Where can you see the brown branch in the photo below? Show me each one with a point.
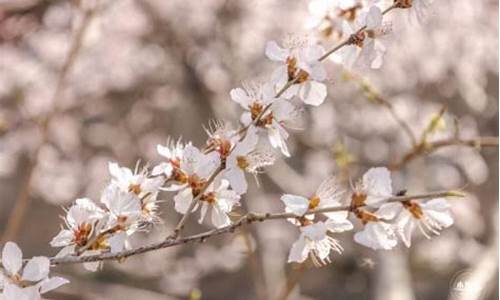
(22, 202)
(426, 148)
(249, 218)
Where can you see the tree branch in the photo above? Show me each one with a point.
(249, 218)
(426, 148)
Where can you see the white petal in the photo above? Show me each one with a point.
(164, 151)
(312, 93)
(443, 218)
(316, 231)
(313, 53)
(62, 239)
(219, 218)
(207, 164)
(162, 168)
(182, 200)
(299, 251)
(236, 177)
(277, 136)
(91, 266)
(374, 18)
(52, 283)
(378, 185)
(117, 242)
(338, 225)
(36, 269)
(405, 225)
(203, 212)
(389, 211)
(296, 204)
(283, 110)
(317, 71)
(12, 258)
(239, 95)
(376, 235)
(275, 52)
(13, 292)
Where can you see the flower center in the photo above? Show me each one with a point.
(222, 146)
(209, 198)
(134, 188)
(358, 199)
(294, 71)
(366, 216)
(197, 184)
(350, 14)
(314, 202)
(357, 39)
(414, 209)
(81, 234)
(242, 162)
(403, 3)
(256, 109)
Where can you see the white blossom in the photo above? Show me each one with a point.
(81, 222)
(377, 233)
(218, 198)
(124, 208)
(246, 158)
(28, 282)
(300, 61)
(314, 242)
(327, 195)
(430, 217)
(134, 182)
(259, 97)
(139, 183)
(374, 188)
(367, 49)
(173, 152)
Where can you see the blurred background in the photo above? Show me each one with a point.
(87, 82)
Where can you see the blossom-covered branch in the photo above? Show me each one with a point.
(249, 218)
(212, 178)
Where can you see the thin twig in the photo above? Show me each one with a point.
(245, 220)
(429, 147)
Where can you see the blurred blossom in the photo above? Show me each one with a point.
(153, 69)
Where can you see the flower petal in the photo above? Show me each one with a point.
(299, 251)
(183, 200)
(36, 269)
(52, 283)
(296, 204)
(12, 257)
(275, 52)
(313, 93)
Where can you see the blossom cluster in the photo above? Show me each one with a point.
(212, 179)
(383, 222)
(22, 280)
(128, 204)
